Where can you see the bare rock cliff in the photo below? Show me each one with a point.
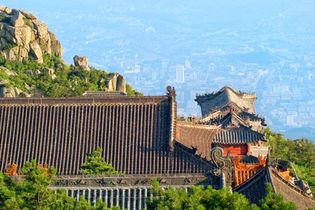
(81, 62)
(24, 37)
(116, 83)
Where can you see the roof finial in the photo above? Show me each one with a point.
(171, 91)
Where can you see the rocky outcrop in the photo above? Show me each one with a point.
(7, 71)
(81, 63)
(10, 92)
(116, 83)
(24, 37)
(49, 72)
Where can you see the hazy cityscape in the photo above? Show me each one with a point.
(262, 47)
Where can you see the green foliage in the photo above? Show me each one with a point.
(32, 192)
(156, 190)
(34, 189)
(198, 198)
(300, 152)
(67, 83)
(132, 92)
(3, 76)
(8, 197)
(95, 164)
(274, 201)
(82, 204)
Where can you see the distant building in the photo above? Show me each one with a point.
(180, 74)
(227, 95)
(137, 68)
(133, 70)
(187, 64)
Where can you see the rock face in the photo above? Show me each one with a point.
(11, 92)
(7, 71)
(24, 37)
(81, 62)
(116, 83)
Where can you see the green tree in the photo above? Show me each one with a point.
(62, 201)
(34, 189)
(300, 152)
(65, 83)
(95, 164)
(31, 191)
(8, 196)
(82, 204)
(197, 198)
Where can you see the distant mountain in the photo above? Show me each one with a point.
(298, 133)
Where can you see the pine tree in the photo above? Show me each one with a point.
(32, 192)
(197, 198)
(95, 164)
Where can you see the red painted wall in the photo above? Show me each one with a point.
(235, 150)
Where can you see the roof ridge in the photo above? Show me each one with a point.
(258, 133)
(210, 116)
(251, 180)
(236, 135)
(227, 119)
(82, 100)
(223, 89)
(196, 125)
(238, 118)
(187, 150)
(289, 184)
(239, 93)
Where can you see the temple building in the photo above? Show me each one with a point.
(235, 128)
(142, 138)
(227, 96)
(239, 130)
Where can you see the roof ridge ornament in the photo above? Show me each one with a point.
(223, 166)
(171, 91)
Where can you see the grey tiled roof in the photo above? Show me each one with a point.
(103, 93)
(289, 191)
(133, 132)
(249, 159)
(196, 137)
(254, 189)
(241, 135)
(231, 119)
(225, 117)
(250, 116)
(225, 96)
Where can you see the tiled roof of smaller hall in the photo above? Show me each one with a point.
(240, 135)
